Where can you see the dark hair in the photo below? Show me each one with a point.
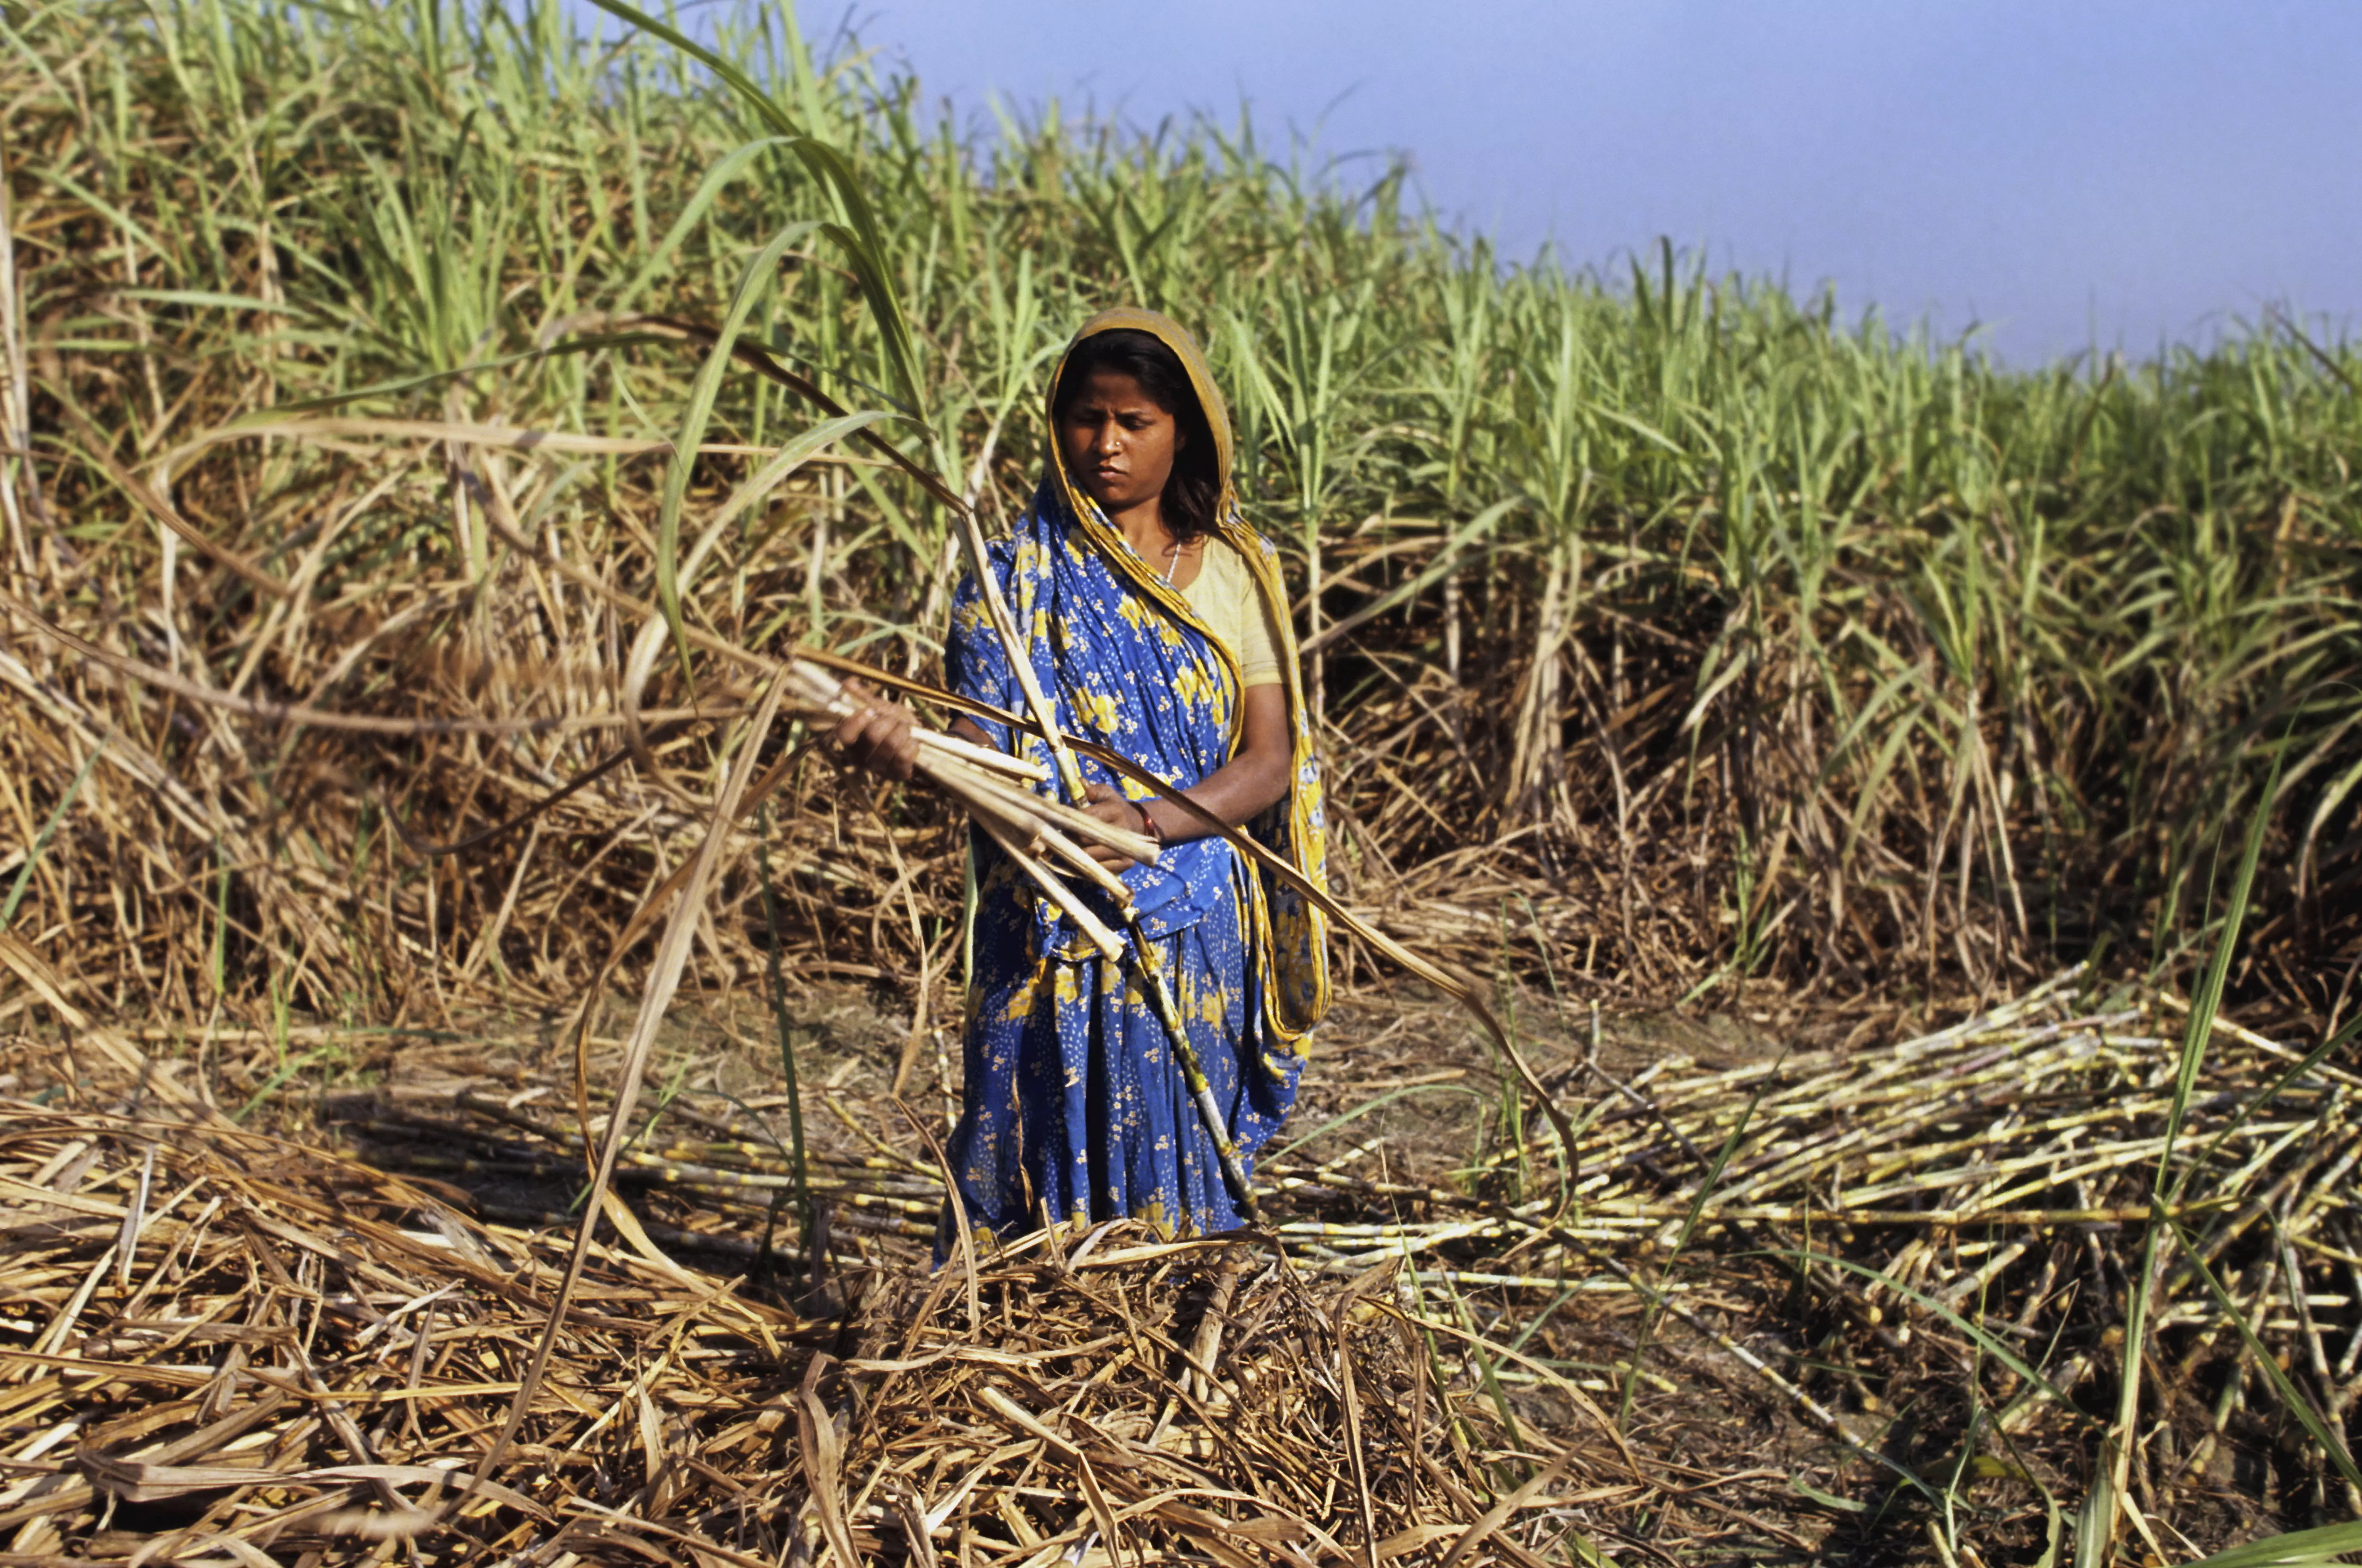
(1195, 491)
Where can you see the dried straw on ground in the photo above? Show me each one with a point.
(1903, 1287)
(1939, 1227)
(221, 1347)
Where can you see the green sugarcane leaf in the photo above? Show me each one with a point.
(2298, 1548)
(859, 234)
(701, 394)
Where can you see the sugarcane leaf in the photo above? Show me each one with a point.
(1991, 1346)
(701, 394)
(2298, 1405)
(2319, 1548)
(859, 235)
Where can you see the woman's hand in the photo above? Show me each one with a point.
(1110, 806)
(878, 736)
(1256, 779)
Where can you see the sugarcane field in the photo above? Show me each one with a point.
(740, 828)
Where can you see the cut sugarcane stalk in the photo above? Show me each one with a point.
(976, 756)
(970, 772)
(1074, 855)
(1069, 902)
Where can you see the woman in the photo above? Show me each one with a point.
(1157, 622)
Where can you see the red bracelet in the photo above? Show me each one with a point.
(1148, 825)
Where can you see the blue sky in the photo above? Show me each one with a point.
(2057, 171)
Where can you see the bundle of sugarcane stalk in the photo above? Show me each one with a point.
(2033, 1115)
(1038, 832)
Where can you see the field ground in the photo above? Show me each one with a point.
(1842, 1409)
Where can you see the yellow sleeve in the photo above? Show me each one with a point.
(1224, 596)
(1259, 658)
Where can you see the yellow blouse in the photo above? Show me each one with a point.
(1223, 595)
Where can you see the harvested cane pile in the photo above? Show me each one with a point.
(1879, 1260)
(220, 1348)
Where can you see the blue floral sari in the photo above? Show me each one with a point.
(1074, 1107)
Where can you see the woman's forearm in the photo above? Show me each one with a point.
(1235, 794)
(1249, 783)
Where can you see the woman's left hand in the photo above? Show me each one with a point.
(1111, 806)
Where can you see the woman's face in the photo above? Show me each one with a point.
(1119, 445)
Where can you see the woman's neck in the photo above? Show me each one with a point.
(1146, 531)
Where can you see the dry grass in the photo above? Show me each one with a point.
(1888, 1323)
(226, 1348)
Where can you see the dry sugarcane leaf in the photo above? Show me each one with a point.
(139, 1480)
(816, 1434)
